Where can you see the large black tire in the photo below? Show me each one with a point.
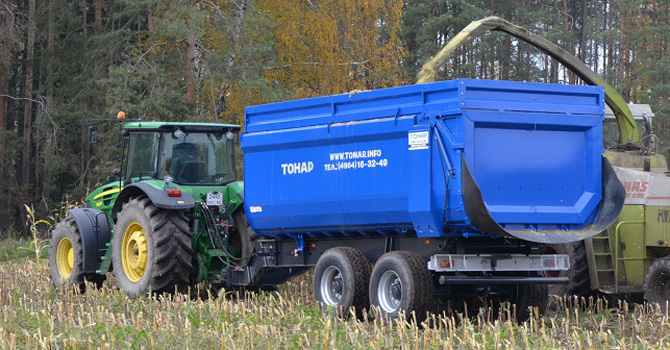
(527, 297)
(657, 283)
(341, 280)
(167, 241)
(401, 282)
(580, 280)
(66, 273)
(521, 301)
(243, 237)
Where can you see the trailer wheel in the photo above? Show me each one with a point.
(580, 280)
(65, 258)
(657, 283)
(401, 282)
(151, 249)
(341, 280)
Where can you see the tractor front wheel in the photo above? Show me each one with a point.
(65, 258)
(151, 249)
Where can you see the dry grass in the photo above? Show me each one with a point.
(34, 315)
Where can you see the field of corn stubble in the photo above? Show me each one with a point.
(34, 315)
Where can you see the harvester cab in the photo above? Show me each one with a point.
(643, 116)
(175, 197)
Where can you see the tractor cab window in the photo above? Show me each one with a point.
(142, 152)
(197, 158)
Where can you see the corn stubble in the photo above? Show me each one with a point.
(34, 315)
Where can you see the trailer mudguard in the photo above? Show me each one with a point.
(611, 204)
(235, 192)
(158, 197)
(95, 233)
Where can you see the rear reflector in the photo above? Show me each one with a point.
(174, 193)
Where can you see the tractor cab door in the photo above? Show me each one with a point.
(142, 156)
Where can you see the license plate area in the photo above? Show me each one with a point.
(214, 198)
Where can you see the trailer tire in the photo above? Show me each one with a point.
(341, 279)
(66, 258)
(151, 249)
(580, 279)
(657, 283)
(400, 282)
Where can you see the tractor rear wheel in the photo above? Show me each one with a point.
(244, 238)
(657, 283)
(65, 258)
(151, 249)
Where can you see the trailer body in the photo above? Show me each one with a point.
(418, 160)
(450, 189)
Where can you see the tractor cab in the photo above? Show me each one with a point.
(183, 153)
(196, 158)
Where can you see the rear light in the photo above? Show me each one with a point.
(549, 263)
(445, 263)
(174, 193)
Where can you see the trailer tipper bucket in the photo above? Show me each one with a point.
(461, 158)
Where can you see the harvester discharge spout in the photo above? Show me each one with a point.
(628, 134)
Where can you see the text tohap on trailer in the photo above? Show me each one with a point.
(297, 168)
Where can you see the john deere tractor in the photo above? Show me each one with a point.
(170, 217)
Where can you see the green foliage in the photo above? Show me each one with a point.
(144, 91)
(12, 249)
(38, 246)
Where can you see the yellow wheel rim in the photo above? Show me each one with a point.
(134, 253)
(65, 257)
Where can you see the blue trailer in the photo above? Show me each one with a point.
(441, 191)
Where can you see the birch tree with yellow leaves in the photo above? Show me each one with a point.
(329, 47)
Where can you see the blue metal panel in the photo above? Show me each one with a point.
(388, 161)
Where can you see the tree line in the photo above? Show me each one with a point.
(67, 64)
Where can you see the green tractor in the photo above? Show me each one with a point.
(170, 217)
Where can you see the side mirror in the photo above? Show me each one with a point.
(116, 175)
(92, 134)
